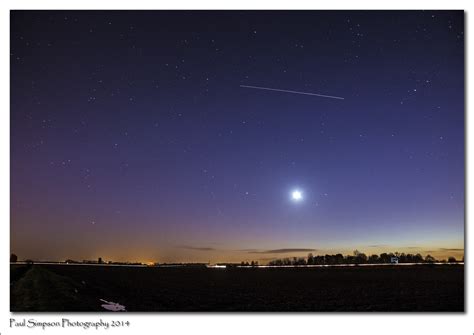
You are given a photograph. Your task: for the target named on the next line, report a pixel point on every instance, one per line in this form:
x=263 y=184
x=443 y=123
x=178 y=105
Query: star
x=296 y=195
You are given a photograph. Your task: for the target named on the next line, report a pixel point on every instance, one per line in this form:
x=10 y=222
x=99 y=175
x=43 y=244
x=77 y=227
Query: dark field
x=383 y=288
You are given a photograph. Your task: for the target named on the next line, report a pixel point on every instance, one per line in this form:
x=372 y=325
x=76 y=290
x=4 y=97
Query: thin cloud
x=196 y=248
x=451 y=249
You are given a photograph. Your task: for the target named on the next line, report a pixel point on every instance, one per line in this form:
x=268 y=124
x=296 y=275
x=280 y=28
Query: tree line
x=357 y=258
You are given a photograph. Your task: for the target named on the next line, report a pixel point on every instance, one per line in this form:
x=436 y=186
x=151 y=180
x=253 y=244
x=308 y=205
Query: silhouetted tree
x=349 y=259
x=418 y=258
x=452 y=260
x=310 y=260
x=339 y=259
x=13 y=258
x=409 y=258
x=402 y=258
x=319 y=260
x=429 y=259
x=384 y=258
x=301 y=261
x=329 y=259
x=373 y=259
x=361 y=258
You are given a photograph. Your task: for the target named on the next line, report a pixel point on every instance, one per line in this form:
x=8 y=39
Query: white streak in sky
x=295 y=92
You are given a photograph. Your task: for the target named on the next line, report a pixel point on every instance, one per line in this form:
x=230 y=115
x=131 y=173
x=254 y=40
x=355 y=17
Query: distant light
x=297 y=195
x=216 y=266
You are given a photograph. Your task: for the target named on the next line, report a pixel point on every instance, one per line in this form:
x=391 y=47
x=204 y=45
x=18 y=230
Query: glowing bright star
x=296 y=195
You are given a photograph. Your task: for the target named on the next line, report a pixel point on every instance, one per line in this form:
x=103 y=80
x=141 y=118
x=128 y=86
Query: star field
x=131 y=128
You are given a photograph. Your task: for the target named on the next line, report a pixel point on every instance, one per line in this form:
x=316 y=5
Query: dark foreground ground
x=55 y=288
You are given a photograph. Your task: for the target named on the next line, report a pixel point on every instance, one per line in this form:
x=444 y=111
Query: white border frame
x=156 y=323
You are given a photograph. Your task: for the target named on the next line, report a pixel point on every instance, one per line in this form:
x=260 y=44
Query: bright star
x=296 y=195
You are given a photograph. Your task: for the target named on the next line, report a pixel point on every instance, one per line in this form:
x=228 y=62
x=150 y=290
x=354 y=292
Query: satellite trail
x=295 y=92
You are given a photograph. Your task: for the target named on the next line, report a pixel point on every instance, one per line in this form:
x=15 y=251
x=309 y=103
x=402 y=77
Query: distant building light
x=216 y=266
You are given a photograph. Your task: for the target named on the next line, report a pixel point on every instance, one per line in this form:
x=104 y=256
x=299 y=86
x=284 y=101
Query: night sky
x=132 y=139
